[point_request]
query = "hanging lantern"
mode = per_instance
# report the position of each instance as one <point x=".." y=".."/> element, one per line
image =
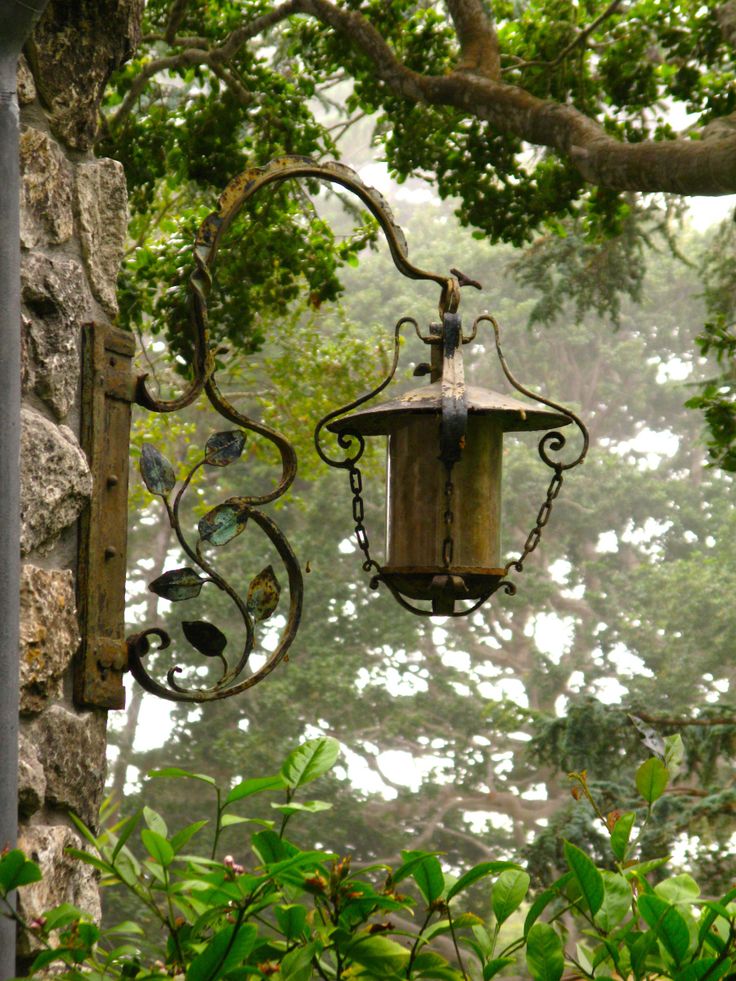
<point x="444" y="476"/>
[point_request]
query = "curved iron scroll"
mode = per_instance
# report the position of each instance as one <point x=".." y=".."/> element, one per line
<point x="229" y="519"/>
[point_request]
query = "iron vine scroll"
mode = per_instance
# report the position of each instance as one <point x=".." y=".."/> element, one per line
<point x="228" y="520"/>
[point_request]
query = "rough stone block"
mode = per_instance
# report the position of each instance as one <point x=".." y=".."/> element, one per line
<point x="56" y="298"/>
<point x="65" y="879"/>
<point x="71" y="748"/>
<point x="47" y="191"/>
<point x="49" y="634"/>
<point x="24" y="83"/>
<point x="102" y="211"/>
<point x="74" y="48"/>
<point x="55" y="481"/>
<point x="31" y="779"/>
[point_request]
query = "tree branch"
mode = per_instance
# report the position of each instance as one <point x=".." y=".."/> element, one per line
<point x="478" y="40"/>
<point x="680" y="166"/>
<point x="577" y="42"/>
<point x="718" y="720"/>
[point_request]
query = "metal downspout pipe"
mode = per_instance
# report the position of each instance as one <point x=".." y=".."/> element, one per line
<point x="17" y="18"/>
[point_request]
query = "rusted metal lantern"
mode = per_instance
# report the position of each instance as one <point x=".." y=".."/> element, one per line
<point x="429" y="557"/>
<point x="443" y="479"/>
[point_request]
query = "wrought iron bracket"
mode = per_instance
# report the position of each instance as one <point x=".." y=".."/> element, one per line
<point x="108" y="387"/>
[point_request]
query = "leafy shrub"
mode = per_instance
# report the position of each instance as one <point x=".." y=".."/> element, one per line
<point x="295" y="914"/>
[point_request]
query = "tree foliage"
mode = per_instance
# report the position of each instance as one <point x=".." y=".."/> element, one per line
<point x="539" y="120"/>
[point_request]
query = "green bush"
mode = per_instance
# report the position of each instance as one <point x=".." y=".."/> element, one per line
<point x="294" y="914"/>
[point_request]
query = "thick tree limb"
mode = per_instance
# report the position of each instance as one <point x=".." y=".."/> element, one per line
<point x="676" y="166"/>
<point x="680" y="166"/>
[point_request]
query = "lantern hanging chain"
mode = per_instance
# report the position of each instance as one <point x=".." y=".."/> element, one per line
<point x="447" y="544"/>
<point x="555" y="485"/>
<point x="361" y="534"/>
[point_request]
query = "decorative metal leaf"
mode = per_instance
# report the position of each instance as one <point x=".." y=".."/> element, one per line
<point x="263" y="594"/>
<point x="177" y="584"/>
<point x="156" y="471"/>
<point x="205" y="637"/>
<point x="223" y="448"/>
<point x="223" y="523"/>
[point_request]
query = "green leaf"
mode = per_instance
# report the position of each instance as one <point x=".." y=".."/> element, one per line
<point x="177" y="773"/>
<point x="427" y="963"/>
<point x="223" y="448"/>
<point x="640" y="950"/>
<point x="651" y="779"/>
<point x="182" y="837"/>
<point x="16" y="870"/>
<point x="544" y="956"/>
<point x="667" y="923"/>
<point x="310" y="760"/>
<point x="157" y="847"/>
<point x="263" y="594"/>
<point x="157" y="472"/>
<point x="89" y="859"/>
<point x="381" y="955"/>
<point x="205" y="637"/>
<point x="83" y="829"/>
<point x="642" y="869"/>
<point x="177" y="585"/>
<point x="229" y="820"/>
<point x="155" y="822"/>
<point x="588" y="877"/>
<point x="407" y="867"/>
<point x="479" y="871"/>
<point x="678" y="889"/>
<point x="428" y="876"/>
<point x="617" y="899"/>
<point x="702" y="968"/>
<point x="61" y="916"/>
<point x="226" y="951"/>
<point x="621" y="834"/>
<point x="491" y="968"/>
<point x="674" y="754"/>
<point x="224" y="522"/>
<point x="46" y="957"/>
<point x="297" y="964"/>
<point x="544" y="899"/>
<point x="126" y="927"/>
<point x="254" y="786"/>
<point x="508" y="893"/>
<point x="308" y="807"/>
<point x="291" y="920"/>
<point x="125" y="830"/>
<point x="269" y="847"/>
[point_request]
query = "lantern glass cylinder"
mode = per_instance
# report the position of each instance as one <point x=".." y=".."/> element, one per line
<point x="416" y="499"/>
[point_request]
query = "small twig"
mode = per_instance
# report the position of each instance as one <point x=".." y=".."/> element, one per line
<point x="580" y="39"/>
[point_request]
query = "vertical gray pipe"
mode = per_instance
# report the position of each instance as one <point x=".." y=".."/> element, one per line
<point x="17" y="18"/>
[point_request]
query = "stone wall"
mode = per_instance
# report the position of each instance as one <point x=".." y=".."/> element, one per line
<point x="73" y="221"/>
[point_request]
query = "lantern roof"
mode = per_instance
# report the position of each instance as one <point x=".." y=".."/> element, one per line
<point x="513" y="415"/>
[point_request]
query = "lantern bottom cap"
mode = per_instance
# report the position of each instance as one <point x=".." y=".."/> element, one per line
<point x="455" y="582"/>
